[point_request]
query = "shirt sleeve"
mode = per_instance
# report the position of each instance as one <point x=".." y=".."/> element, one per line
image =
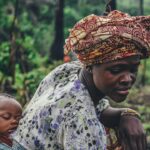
<point x="82" y="132"/>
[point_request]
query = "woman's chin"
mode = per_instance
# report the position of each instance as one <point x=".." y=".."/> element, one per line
<point x="118" y="98"/>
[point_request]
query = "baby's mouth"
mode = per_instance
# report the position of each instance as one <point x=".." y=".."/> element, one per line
<point x="10" y="131"/>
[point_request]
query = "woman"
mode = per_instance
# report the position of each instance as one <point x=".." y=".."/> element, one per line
<point x="69" y="108"/>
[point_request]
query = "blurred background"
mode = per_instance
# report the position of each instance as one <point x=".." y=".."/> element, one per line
<point x="32" y="35"/>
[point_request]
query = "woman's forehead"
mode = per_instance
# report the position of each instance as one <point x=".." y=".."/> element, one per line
<point x="134" y="60"/>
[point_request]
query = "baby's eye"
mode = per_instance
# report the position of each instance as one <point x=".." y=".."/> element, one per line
<point x="6" y="116"/>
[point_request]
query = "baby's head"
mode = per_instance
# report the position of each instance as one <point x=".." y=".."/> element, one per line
<point x="10" y="114"/>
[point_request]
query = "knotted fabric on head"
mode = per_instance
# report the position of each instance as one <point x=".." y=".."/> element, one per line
<point x="100" y="39"/>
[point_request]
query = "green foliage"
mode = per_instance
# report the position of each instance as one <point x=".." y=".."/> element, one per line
<point x="147" y="128"/>
<point x="71" y="17"/>
<point x="25" y="25"/>
<point x="132" y="6"/>
<point x="147" y="71"/>
<point x="27" y="83"/>
<point x="46" y="32"/>
<point x="7" y="15"/>
<point x="129" y="6"/>
<point x="4" y="56"/>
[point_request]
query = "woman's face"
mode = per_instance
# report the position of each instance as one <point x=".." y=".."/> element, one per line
<point x="114" y="79"/>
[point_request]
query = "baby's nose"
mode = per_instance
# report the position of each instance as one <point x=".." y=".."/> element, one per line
<point x="14" y="121"/>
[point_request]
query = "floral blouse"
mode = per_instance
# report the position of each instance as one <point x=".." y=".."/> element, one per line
<point x="61" y="114"/>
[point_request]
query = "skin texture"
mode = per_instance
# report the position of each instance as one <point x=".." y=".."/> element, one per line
<point x="114" y="79"/>
<point x="131" y="132"/>
<point x="10" y="114"/>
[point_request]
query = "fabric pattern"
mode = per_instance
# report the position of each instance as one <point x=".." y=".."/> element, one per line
<point x="99" y="39"/>
<point x="61" y="115"/>
<point x="4" y="147"/>
<point x="113" y="142"/>
<point x="6" y="138"/>
<point x="16" y="146"/>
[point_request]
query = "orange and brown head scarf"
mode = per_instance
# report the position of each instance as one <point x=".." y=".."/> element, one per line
<point x="100" y="39"/>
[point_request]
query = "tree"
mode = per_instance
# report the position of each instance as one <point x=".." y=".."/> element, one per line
<point x="141" y="8"/>
<point x="12" y="60"/>
<point x="56" y="50"/>
<point x="113" y="4"/>
<point x="141" y="12"/>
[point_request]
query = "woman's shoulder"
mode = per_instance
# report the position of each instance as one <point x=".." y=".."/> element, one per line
<point x="67" y="67"/>
<point x="62" y="72"/>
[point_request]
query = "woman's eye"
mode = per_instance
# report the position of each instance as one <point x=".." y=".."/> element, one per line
<point x="115" y="70"/>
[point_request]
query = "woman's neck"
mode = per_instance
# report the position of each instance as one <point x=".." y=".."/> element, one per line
<point x="87" y="79"/>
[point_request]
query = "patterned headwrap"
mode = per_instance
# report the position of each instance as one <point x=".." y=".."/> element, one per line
<point x="100" y="39"/>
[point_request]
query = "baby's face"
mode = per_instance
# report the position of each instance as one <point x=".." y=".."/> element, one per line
<point x="10" y="114"/>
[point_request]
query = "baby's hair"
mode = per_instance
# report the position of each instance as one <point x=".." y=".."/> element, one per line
<point x="4" y="96"/>
<point x="7" y="95"/>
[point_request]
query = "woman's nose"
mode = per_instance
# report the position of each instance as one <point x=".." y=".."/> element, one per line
<point x="127" y="78"/>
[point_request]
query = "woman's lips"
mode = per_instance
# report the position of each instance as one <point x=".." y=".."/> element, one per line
<point x="123" y="92"/>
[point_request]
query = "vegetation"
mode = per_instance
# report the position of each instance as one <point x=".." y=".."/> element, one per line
<point x="30" y="31"/>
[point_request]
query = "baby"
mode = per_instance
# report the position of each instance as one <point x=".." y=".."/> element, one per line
<point x="10" y="114"/>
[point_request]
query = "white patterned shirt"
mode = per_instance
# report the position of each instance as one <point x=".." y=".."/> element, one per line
<point x="62" y="115"/>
